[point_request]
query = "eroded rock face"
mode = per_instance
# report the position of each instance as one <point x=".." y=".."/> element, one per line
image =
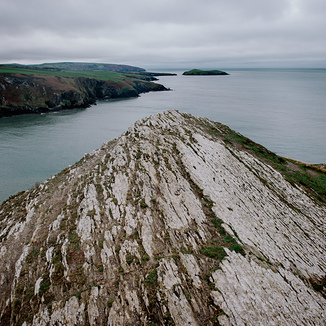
<point x="168" y="225"/>
<point x="21" y="94"/>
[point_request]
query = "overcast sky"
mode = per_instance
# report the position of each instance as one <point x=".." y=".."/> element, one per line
<point x="165" y="33"/>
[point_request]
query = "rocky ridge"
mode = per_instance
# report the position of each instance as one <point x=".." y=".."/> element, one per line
<point x="169" y="224"/>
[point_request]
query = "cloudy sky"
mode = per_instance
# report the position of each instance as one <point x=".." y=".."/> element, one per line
<point x="165" y="33"/>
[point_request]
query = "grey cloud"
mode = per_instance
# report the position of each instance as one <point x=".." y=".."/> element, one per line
<point x="156" y="33"/>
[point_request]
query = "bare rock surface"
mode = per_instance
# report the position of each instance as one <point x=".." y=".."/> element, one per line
<point x="169" y="224"/>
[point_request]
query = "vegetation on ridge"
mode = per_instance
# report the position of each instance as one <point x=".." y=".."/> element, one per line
<point x="311" y="177"/>
<point x="199" y="72"/>
<point x="106" y="75"/>
<point x="138" y="230"/>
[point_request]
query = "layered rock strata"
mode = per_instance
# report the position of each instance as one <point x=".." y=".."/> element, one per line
<point x="169" y="224"/>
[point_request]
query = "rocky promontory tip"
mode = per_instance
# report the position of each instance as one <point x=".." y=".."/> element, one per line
<point x="179" y="221"/>
<point x="198" y="72"/>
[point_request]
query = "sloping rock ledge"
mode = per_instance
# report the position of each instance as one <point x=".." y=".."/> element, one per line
<point x="167" y="225"/>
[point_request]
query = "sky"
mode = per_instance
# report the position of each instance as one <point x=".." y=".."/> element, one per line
<point x="166" y="34"/>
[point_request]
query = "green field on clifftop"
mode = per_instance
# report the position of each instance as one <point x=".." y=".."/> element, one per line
<point x="95" y="74"/>
<point x="198" y="72"/>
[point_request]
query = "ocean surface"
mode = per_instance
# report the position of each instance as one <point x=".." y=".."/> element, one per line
<point x="284" y="110"/>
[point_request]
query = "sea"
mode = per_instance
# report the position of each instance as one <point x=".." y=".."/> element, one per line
<point x="281" y="109"/>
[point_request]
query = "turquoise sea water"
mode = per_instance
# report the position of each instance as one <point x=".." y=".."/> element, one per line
<point x="284" y="110"/>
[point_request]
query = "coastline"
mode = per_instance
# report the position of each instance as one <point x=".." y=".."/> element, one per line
<point x="39" y="94"/>
<point x="35" y="147"/>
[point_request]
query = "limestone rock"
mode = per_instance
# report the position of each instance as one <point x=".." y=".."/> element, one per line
<point x="176" y="222"/>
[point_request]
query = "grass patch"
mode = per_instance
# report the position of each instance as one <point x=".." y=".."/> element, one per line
<point x="45" y="284"/>
<point x="214" y="252"/>
<point x="73" y="238"/>
<point x="100" y="243"/>
<point x="32" y="255"/>
<point x="129" y="258"/>
<point x="138" y="155"/>
<point x="259" y="150"/>
<point x="144" y="257"/>
<point x="91" y="212"/>
<point x="309" y="176"/>
<point x="316" y="181"/>
<point x="99" y="74"/>
<point x="151" y="279"/>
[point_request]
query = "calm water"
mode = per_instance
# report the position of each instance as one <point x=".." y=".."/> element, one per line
<point x="284" y="110"/>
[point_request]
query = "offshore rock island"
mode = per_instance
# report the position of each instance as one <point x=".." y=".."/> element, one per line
<point x="198" y="72"/>
<point x="179" y="221"/>
<point x="57" y="86"/>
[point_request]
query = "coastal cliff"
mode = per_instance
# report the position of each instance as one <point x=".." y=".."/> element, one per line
<point x="179" y="221"/>
<point x="25" y="89"/>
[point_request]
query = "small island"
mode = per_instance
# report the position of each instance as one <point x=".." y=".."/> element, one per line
<point x="198" y="72"/>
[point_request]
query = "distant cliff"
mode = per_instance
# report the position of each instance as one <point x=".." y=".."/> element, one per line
<point x="89" y="66"/>
<point x="179" y="221"/>
<point x="25" y="89"/>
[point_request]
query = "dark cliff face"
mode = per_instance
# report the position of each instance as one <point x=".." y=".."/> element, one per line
<point x="22" y="94"/>
<point x="172" y="223"/>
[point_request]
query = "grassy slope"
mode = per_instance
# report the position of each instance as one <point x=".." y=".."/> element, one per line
<point x="96" y="74"/>
<point x="89" y="66"/>
<point x="309" y="176"/>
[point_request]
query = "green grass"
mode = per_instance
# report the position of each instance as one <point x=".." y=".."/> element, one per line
<point x="45" y="284"/>
<point x="312" y="178"/>
<point x="258" y="150"/>
<point x="91" y="212"/>
<point x="204" y="72"/>
<point x="95" y="74"/>
<point x="151" y="279"/>
<point x="214" y="252"/>
<point x="129" y="258"/>
<point x="316" y="181"/>
<point x="32" y="255"/>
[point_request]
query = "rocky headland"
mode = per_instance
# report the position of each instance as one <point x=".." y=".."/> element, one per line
<point x="179" y="221"/>
<point x="39" y="89"/>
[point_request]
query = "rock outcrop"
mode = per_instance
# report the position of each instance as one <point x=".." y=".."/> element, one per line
<point x="172" y="223"/>
<point x="199" y="72"/>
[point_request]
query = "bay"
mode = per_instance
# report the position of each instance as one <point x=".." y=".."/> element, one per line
<point x="284" y="110"/>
